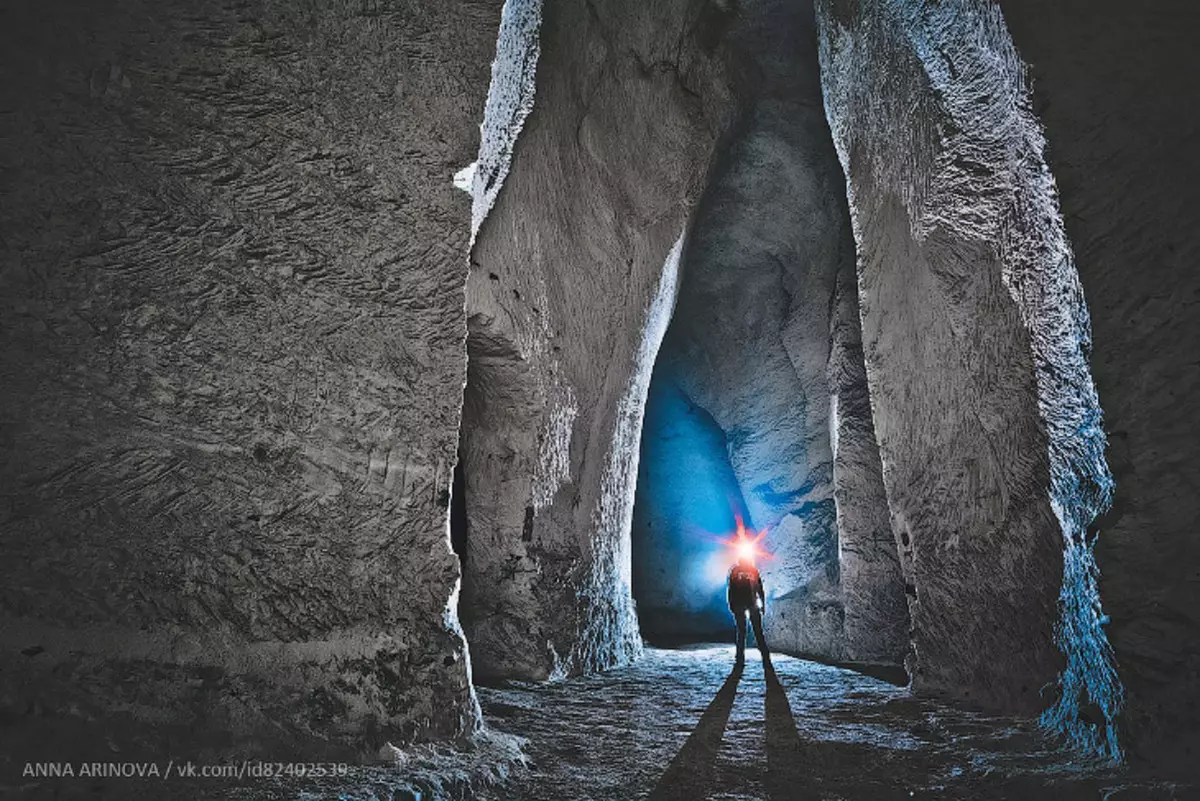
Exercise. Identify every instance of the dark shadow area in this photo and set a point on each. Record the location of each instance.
(498, 606)
(789, 765)
(673, 628)
(458, 510)
(690, 774)
(792, 762)
(892, 674)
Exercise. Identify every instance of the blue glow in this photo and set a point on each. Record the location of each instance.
(1082, 489)
(686, 500)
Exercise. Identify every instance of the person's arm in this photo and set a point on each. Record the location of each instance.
(762, 597)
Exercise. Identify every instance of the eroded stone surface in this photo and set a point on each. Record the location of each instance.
(873, 564)
(940, 182)
(1112, 85)
(629, 100)
(232, 312)
(670, 727)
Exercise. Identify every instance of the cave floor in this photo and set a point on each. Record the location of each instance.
(677, 726)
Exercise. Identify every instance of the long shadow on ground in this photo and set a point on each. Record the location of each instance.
(793, 763)
(802, 730)
(690, 774)
(789, 764)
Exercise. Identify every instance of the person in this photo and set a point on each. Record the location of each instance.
(746, 597)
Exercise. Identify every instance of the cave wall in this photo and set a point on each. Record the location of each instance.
(1114, 86)
(874, 566)
(752, 345)
(233, 269)
(572, 281)
(976, 343)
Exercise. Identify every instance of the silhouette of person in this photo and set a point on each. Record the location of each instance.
(745, 595)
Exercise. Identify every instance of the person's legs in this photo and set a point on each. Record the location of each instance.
(756, 622)
(740, 616)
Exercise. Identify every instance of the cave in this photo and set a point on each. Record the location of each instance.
(382, 383)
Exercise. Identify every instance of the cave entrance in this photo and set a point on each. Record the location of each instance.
(759, 404)
(685, 503)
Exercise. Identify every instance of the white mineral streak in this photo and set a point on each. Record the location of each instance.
(451, 622)
(464, 179)
(554, 458)
(509, 101)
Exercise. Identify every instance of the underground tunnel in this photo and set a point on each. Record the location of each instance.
(383, 383)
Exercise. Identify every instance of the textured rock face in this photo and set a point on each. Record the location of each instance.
(1113, 85)
(570, 286)
(873, 564)
(975, 338)
(232, 302)
(751, 341)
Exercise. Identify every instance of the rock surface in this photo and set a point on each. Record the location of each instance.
(1113, 85)
(673, 727)
(571, 283)
(973, 337)
(233, 270)
(873, 564)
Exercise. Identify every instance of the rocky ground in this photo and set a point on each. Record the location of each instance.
(677, 726)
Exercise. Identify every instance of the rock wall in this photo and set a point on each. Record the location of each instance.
(233, 270)
(873, 564)
(1113, 85)
(570, 286)
(976, 340)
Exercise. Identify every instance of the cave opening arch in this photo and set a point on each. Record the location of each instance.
(761, 379)
(687, 500)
